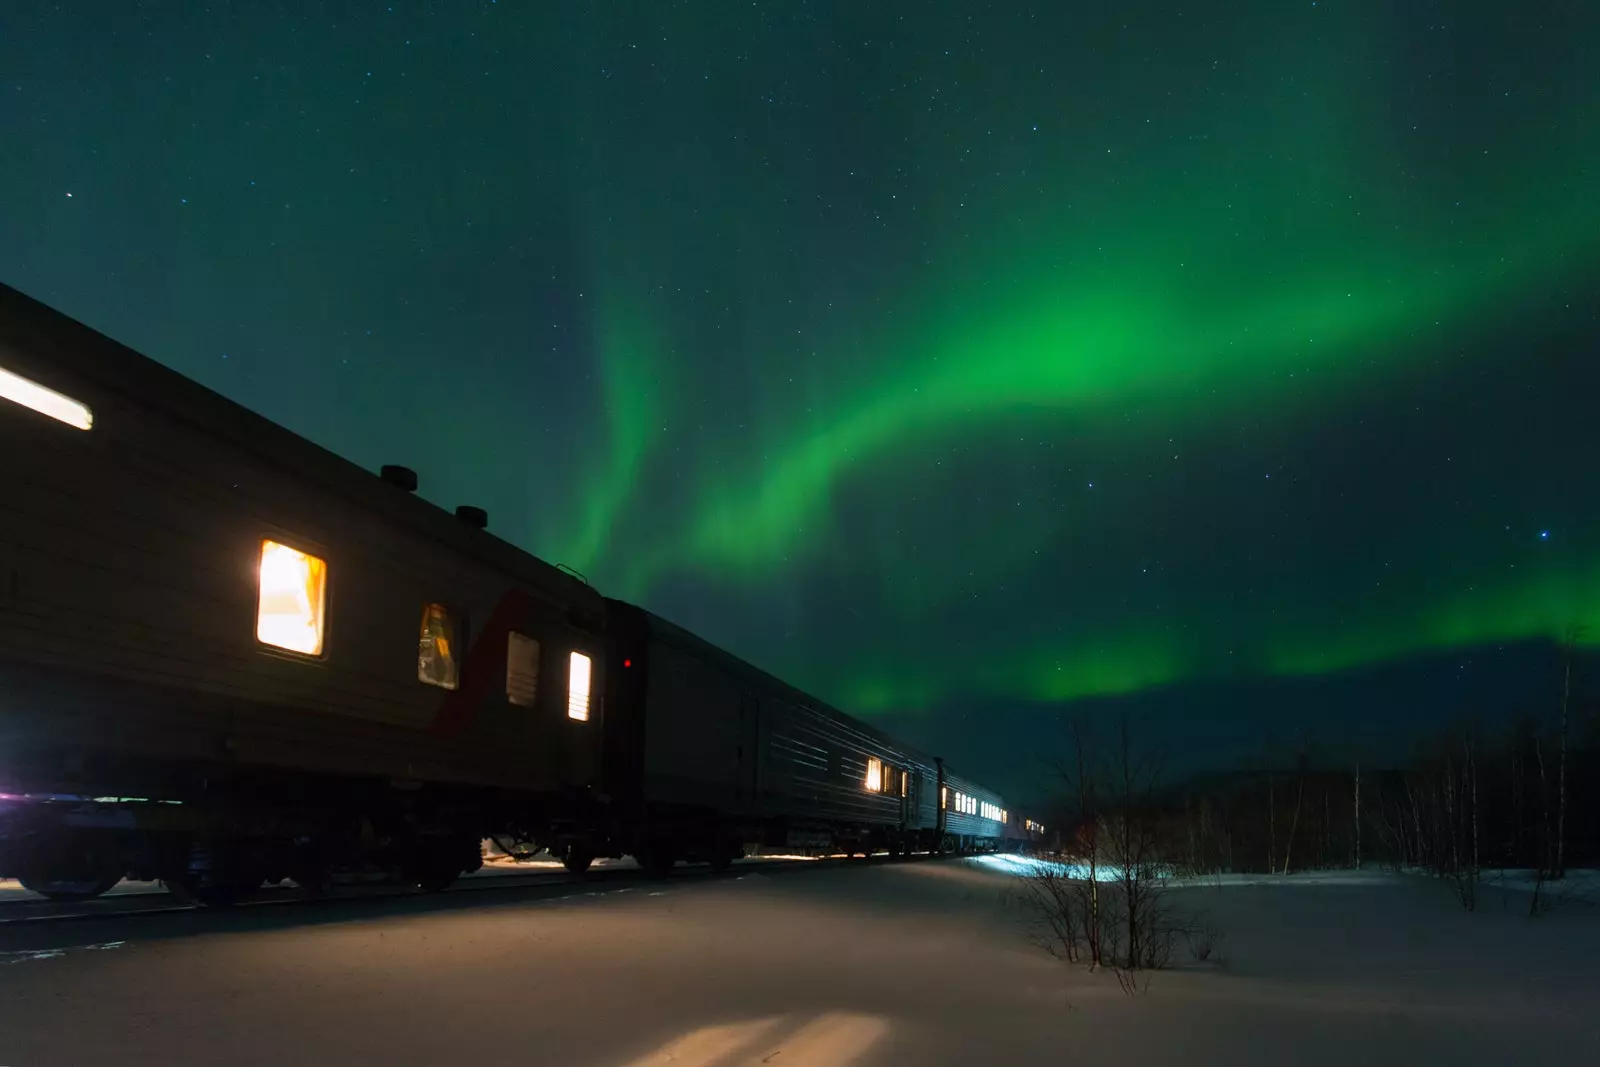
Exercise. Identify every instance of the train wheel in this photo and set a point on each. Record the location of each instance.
(72, 866)
(70, 888)
(217, 875)
(439, 860)
(577, 859)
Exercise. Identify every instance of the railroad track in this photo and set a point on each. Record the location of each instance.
(31, 911)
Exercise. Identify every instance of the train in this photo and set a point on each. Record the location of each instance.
(229, 657)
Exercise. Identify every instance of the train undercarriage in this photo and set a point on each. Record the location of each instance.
(216, 845)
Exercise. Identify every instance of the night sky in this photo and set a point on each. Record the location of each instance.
(966, 364)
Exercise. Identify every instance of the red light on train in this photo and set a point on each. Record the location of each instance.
(627, 663)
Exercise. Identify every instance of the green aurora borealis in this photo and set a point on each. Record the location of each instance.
(928, 358)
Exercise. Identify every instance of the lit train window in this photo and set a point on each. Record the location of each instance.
(874, 775)
(905, 778)
(436, 648)
(30, 394)
(944, 797)
(522, 669)
(291, 599)
(578, 687)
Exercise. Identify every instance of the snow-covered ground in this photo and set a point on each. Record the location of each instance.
(909, 963)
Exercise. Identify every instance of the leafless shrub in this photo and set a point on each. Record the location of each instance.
(1133, 982)
(1107, 905)
(1204, 938)
(1543, 900)
(1052, 902)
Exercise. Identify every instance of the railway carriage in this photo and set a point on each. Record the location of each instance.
(262, 645)
(707, 755)
(229, 656)
(974, 819)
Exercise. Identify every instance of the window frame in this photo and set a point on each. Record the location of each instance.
(573, 655)
(458, 623)
(874, 763)
(538, 670)
(325, 632)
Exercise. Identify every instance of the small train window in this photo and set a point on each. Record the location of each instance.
(437, 662)
(874, 775)
(578, 672)
(944, 797)
(30, 394)
(522, 669)
(291, 604)
(905, 779)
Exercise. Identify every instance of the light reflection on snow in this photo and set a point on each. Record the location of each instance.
(56, 953)
(1022, 866)
(834, 1039)
(1012, 863)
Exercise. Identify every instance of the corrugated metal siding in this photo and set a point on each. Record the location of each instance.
(799, 760)
(816, 766)
(972, 825)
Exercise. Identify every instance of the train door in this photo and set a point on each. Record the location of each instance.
(749, 753)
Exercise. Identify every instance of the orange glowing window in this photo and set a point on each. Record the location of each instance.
(905, 777)
(437, 662)
(874, 775)
(291, 605)
(944, 797)
(578, 687)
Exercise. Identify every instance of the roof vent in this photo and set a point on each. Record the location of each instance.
(399, 477)
(473, 516)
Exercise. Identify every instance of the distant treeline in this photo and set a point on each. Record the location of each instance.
(1471, 797)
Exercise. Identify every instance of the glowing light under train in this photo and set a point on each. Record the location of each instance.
(1010, 863)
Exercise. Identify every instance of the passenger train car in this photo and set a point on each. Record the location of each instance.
(706, 754)
(228, 656)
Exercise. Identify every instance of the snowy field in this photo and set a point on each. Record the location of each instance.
(908, 963)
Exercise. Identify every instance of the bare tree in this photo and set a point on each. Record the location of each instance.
(1560, 869)
(1089, 810)
(1272, 813)
(1053, 903)
(1546, 854)
(1358, 816)
(1146, 931)
(1299, 795)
